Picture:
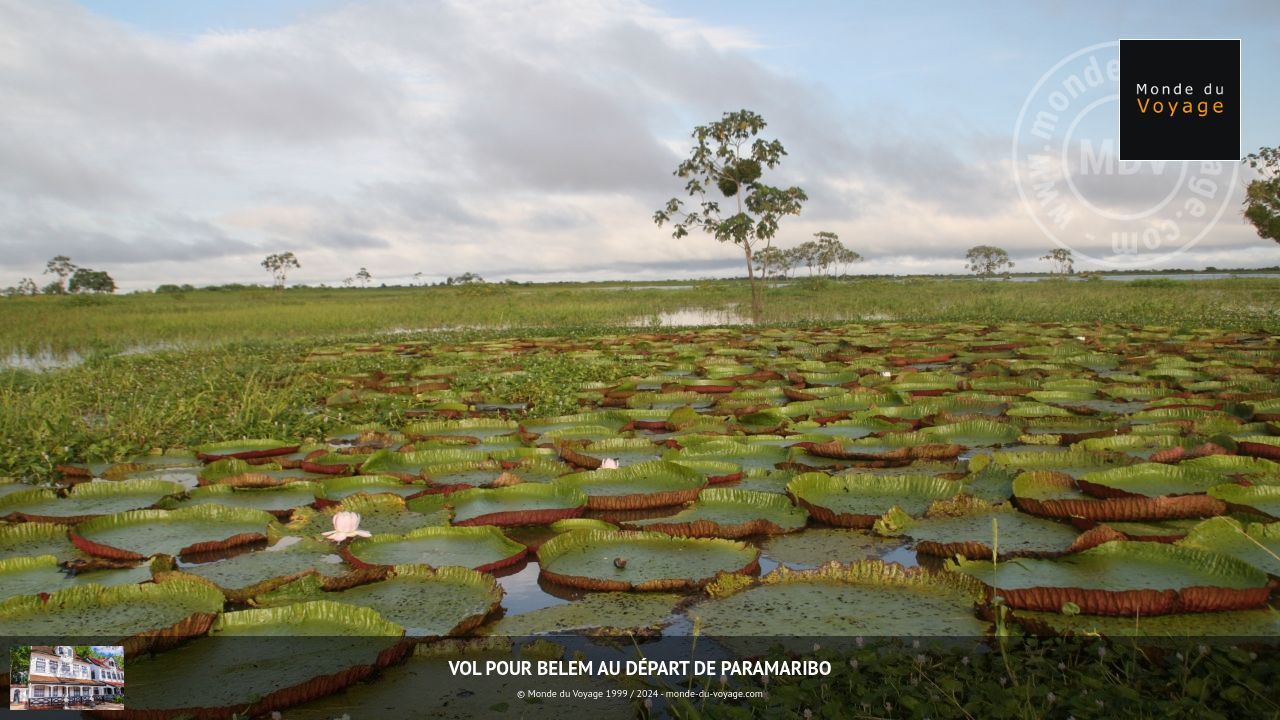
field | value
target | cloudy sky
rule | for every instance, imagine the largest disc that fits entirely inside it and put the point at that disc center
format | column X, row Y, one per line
column 181, row 142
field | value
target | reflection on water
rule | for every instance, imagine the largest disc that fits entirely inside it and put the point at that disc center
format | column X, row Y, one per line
column 692, row 317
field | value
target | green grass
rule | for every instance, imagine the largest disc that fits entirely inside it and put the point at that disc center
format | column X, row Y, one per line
column 60, row 325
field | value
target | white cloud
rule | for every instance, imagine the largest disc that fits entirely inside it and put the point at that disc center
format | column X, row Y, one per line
column 518, row 140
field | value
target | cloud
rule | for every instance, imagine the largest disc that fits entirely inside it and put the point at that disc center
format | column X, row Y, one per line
column 509, row 139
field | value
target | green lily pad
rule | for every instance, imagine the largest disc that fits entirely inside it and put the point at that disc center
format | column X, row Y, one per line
column 973, row 531
column 1255, row 543
column 603, row 560
column 1149, row 480
column 1125, row 578
column 515, row 505
column 332, row 646
column 1264, row 499
column 605, row 613
column 974, row 433
column 857, row 500
column 380, row 514
column 425, row 601
column 729, row 513
column 31, row 575
column 32, row 538
column 338, row 488
column 819, row 546
column 482, row 548
column 272, row 499
column 636, row 487
column 1252, row 624
column 244, row 575
column 116, row 612
column 138, row 534
column 244, row 449
column 868, row 598
column 88, row 499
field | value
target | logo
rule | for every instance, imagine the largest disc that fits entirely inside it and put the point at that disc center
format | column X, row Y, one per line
column 1066, row 163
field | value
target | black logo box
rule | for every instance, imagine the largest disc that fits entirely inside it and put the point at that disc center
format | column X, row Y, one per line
column 1205, row 73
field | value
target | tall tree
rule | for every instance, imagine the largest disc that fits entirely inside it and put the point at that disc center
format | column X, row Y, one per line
column 729, row 156
column 771, row 258
column 279, row 265
column 987, row 260
column 62, row 267
column 94, row 281
column 1262, row 196
column 1060, row 260
column 19, row 664
column 364, row 277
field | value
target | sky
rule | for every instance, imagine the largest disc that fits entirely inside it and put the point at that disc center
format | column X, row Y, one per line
column 182, row 142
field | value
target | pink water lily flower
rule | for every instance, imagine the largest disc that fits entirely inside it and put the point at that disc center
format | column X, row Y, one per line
column 346, row 525
column 609, row 464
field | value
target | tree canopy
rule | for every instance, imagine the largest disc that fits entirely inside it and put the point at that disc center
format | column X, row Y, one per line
column 728, row 156
column 987, row 260
column 1262, row 196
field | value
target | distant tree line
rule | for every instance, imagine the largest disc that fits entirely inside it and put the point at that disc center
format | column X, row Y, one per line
column 69, row 278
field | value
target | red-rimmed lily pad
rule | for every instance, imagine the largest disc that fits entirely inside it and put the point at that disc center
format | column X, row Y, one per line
column 1255, row 543
column 141, row 617
column 86, row 500
column 1148, row 480
column 425, row 601
column 729, row 513
column 44, row 574
column 244, row 449
column 340, row 487
column 868, row 598
column 1261, row 499
column 138, row 534
column 279, row 500
column 1125, row 578
column 1056, row 495
column 483, row 548
column 331, row 646
column 636, row 487
column 972, row 529
column 857, row 500
column 522, row 504
column 648, row 561
column 244, row 575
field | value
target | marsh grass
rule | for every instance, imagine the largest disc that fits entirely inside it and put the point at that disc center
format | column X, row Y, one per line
column 32, row 325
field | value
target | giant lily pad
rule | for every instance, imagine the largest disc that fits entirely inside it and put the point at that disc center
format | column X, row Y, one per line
column 86, row 500
column 330, row 646
column 146, row 614
column 138, row 534
column 605, row 613
column 1056, row 495
column 482, row 548
column 1263, row 499
column 1125, row 578
column 819, row 546
column 42, row 574
column 244, row 449
column 864, row 598
column 523, row 504
column 1255, row 543
column 1148, row 480
column 341, row 487
column 857, row 500
column 972, row 529
column 31, row 538
column 1251, row 624
column 279, row 500
column 636, row 487
column 379, row 514
column 617, row 560
column 425, row 601
column 244, row 575
column 729, row 513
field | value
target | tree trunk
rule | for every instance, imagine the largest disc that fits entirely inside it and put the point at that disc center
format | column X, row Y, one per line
column 757, row 302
